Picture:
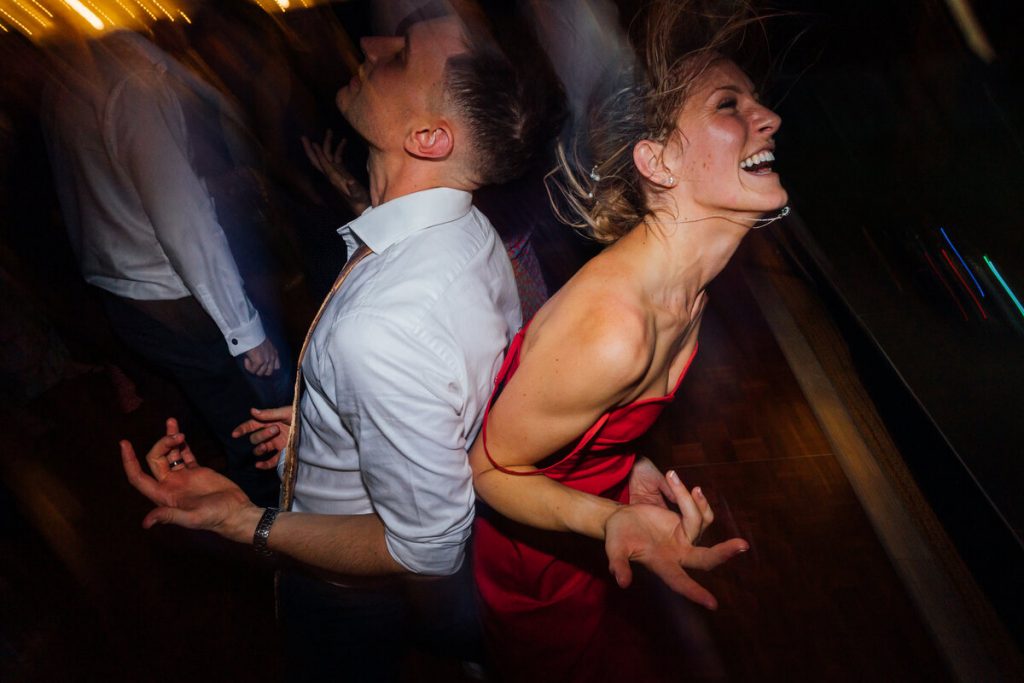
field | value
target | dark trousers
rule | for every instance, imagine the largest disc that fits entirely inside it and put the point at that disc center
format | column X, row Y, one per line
column 363, row 633
column 181, row 339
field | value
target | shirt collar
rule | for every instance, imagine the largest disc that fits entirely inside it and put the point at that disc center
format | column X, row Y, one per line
column 379, row 227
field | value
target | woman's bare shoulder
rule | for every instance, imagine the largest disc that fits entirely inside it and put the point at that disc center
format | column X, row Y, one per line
column 601, row 322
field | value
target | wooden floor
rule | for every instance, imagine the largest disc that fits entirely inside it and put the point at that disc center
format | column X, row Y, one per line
column 86, row 595
column 816, row 598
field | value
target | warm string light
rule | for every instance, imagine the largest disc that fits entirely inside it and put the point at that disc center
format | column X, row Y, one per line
column 24, row 29
column 127, row 10
column 185, row 17
column 145, row 9
column 38, row 19
column 161, row 8
column 45, row 11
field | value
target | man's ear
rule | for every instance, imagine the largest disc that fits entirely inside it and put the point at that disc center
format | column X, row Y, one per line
column 648, row 156
column 433, row 142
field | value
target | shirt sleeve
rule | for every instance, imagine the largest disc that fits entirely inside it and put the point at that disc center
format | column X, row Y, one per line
column 146, row 125
column 405, row 404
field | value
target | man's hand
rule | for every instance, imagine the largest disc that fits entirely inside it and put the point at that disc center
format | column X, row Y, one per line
column 262, row 360
column 663, row 542
column 189, row 495
column 268, row 431
column 329, row 162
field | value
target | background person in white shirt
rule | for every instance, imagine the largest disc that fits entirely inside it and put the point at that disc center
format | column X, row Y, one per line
column 120, row 120
column 398, row 368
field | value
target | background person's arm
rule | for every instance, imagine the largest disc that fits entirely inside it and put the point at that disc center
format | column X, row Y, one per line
column 149, row 138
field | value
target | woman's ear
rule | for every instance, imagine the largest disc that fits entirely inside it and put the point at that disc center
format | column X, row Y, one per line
column 431, row 142
column 648, row 156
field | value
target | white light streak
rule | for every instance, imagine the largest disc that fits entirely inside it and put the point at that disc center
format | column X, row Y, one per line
column 85, row 13
column 109, row 21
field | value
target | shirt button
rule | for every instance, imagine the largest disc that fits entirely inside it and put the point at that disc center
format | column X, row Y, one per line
column 234, row 342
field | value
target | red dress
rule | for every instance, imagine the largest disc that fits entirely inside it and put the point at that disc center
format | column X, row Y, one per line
column 551, row 609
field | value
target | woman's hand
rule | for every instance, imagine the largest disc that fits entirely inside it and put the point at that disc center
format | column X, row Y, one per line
column 329, row 162
column 268, row 431
column 187, row 494
column 663, row 541
column 648, row 485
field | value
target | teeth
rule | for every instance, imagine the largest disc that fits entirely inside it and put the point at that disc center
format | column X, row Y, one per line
column 755, row 159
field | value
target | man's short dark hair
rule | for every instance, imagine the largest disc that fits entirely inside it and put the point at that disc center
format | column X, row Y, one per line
column 510, row 123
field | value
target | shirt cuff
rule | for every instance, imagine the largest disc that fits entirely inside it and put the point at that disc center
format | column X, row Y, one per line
column 246, row 336
column 430, row 559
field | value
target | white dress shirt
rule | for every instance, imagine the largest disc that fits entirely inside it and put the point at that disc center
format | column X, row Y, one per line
column 398, row 371
column 140, row 219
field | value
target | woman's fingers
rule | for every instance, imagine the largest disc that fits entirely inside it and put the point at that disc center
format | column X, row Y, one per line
column 692, row 521
column 678, row 580
column 707, row 515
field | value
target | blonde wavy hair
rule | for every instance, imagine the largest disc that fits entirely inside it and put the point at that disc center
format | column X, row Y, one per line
column 603, row 193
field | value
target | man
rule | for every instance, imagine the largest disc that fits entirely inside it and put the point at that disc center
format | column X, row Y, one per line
column 121, row 121
column 397, row 370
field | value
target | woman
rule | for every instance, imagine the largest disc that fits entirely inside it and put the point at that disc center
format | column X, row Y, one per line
column 680, row 171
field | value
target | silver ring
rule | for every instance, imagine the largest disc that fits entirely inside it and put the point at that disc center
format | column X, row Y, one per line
column 175, row 463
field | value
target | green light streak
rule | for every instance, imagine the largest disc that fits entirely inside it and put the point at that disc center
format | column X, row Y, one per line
column 992, row 267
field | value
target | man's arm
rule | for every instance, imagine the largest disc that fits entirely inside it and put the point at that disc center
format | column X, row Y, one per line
column 146, row 127
column 197, row 497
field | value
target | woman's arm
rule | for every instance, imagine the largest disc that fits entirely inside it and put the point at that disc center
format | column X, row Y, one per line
column 570, row 374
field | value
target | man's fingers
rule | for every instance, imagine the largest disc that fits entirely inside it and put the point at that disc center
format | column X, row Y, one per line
column 259, row 437
column 268, row 464
column 280, row 414
column 247, row 427
column 168, row 515
column 339, row 149
column 308, row 147
column 156, row 459
column 142, row 482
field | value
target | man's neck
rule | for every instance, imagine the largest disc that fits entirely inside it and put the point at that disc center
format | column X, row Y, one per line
column 394, row 176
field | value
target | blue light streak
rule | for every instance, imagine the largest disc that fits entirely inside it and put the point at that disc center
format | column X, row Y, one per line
column 962, row 262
